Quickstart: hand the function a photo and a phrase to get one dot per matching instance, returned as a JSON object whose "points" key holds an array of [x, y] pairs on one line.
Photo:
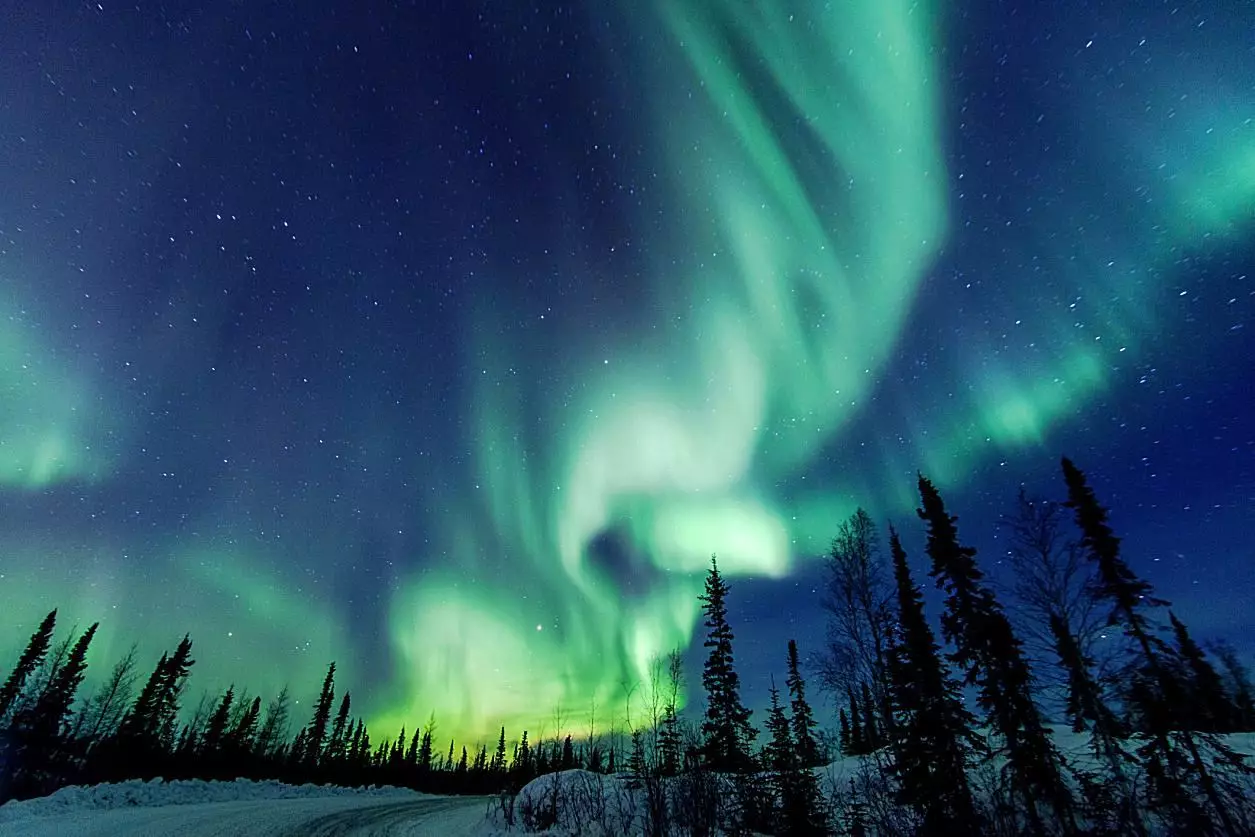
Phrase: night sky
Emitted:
{"points": [[448, 340]]}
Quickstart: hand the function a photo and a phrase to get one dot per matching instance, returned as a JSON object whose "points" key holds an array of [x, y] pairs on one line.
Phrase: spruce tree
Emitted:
{"points": [[141, 721], [933, 731], [240, 739], [216, 729], [424, 752], [1238, 684], [338, 743], [844, 739], [296, 755], [1110, 800], [523, 767], [354, 747], [173, 681], [780, 755], [146, 734], [871, 731], [104, 711], [637, 766], [316, 735], [396, 753], [992, 657], [274, 730], [669, 742], [39, 729], [36, 650], [726, 731], [858, 738], [498, 757], [803, 720], [1211, 707], [1192, 777], [411, 755]]}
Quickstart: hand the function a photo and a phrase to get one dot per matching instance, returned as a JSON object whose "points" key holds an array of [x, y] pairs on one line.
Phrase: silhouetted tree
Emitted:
{"points": [[34, 654], [803, 719], [1206, 701], [1110, 799], [1192, 777], [523, 767], [1048, 575], [146, 736], [216, 729], [933, 732], [1237, 683], [858, 600], [37, 753], [274, 731], [858, 737], [636, 759], [872, 739], [337, 744], [316, 732], [423, 762], [844, 739], [669, 735], [988, 651], [498, 758], [240, 739], [106, 706], [727, 731]]}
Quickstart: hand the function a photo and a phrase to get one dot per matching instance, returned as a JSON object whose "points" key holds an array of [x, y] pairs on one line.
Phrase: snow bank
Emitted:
{"points": [[158, 793]]}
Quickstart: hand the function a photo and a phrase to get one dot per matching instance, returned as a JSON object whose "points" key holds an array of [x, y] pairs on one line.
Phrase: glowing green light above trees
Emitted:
{"points": [[810, 314], [809, 174]]}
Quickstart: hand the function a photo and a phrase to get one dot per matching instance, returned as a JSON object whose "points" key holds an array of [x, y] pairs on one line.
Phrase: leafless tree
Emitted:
{"points": [[860, 615], [103, 710], [274, 731], [1045, 573]]}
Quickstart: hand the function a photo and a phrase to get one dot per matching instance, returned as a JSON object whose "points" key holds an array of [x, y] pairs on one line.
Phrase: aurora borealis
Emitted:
{"points": [[448, 341]]}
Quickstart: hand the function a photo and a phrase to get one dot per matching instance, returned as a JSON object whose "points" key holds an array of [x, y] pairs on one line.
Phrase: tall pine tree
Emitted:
{"points": [[933, 731], [726, 731], [39, 752], [1209, 704], [34, 654], [992, 657], [803, 721], [1191, 776]]}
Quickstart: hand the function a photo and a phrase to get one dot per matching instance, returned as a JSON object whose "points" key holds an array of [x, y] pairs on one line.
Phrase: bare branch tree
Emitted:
{"points": [[1046, 575], [860, 616], [103, 711]]}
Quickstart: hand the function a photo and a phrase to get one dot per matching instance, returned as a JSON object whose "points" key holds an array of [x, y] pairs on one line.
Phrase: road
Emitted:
{"points": [[434, 816]]}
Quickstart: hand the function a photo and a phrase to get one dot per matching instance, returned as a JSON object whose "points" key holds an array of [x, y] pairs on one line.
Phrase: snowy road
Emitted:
{"points": [[363, 817]]}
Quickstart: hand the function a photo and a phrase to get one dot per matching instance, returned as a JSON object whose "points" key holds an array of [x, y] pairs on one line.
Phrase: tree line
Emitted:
{"points": [[949, 732]]}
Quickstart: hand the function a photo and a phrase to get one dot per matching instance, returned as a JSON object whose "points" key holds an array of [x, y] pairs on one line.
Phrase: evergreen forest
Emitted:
{"points": [[1054, 692]]}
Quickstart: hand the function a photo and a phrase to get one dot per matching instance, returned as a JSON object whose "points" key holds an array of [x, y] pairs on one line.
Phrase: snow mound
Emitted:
{"points": [[137, 793]]}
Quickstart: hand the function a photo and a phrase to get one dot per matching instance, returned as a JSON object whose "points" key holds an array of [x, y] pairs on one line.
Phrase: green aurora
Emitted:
{"points": [[803, 148]]}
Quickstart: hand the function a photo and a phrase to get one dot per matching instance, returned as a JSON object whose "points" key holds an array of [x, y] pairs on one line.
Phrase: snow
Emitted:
{"points": [[156, 793], [587, 804], [216, 809]]}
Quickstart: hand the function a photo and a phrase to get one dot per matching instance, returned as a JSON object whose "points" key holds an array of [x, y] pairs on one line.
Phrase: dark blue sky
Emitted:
{"points": [[448, 340]]}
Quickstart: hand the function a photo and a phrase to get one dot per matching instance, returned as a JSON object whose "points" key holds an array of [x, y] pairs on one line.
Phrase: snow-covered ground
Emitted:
{"points": [[218, 809], [584, 803]]}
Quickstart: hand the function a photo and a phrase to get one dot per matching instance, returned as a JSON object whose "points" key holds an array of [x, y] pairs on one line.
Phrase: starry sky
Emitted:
{"points": [[448, 340]]}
